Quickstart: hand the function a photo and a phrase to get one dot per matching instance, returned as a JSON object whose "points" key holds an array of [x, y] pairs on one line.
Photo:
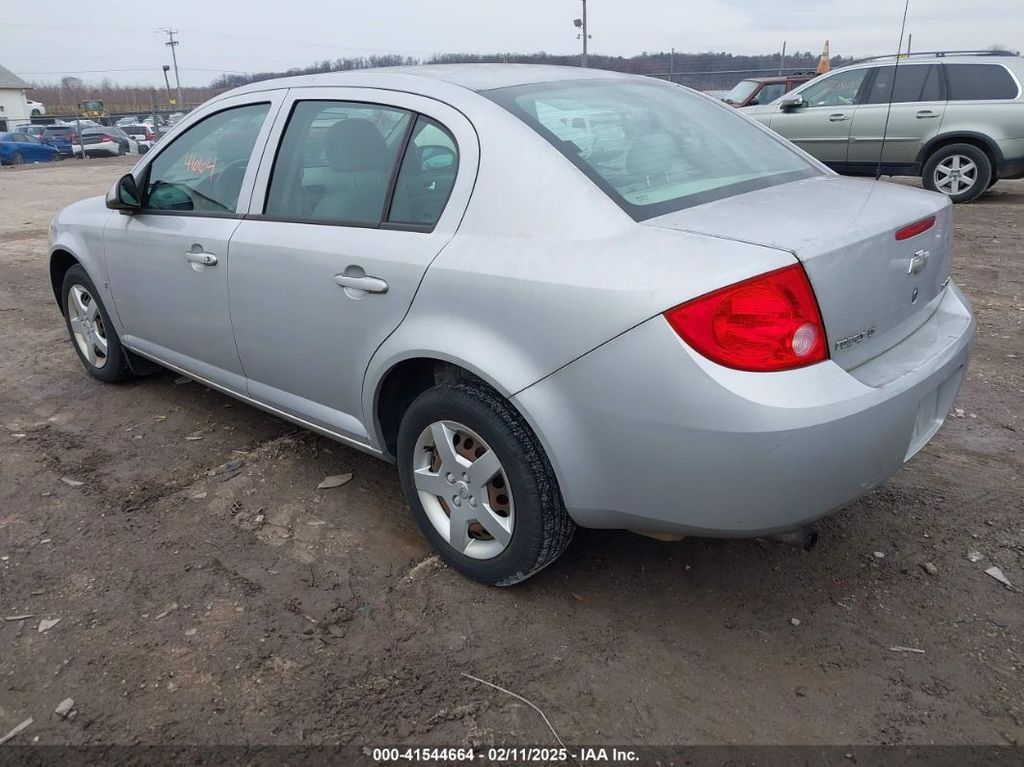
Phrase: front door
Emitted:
{"points": [[168, 263], [366, 188], [821, 126]]}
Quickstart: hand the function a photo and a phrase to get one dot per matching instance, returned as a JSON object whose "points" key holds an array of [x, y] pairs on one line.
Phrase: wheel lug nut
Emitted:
{"points": [[465, 477], [450, 478], [456, 500]]}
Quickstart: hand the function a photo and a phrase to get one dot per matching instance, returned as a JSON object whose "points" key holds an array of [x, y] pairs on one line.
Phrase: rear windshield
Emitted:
{"points": [[651, 146]]}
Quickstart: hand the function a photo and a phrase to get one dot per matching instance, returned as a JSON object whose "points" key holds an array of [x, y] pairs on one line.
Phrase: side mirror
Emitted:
{"points": [[124, 195], [790, 103]]}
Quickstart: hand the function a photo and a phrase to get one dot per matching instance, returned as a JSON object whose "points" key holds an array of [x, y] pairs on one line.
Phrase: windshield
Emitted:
{"points": [[740, 92], [653, 147]]}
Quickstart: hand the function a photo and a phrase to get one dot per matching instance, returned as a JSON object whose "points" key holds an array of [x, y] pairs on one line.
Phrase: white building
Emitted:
{"points": [[13, 104]]}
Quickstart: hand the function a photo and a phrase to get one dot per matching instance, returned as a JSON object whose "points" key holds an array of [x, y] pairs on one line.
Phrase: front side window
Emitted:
{"points": [[203, 170], [651, 146], [914, 82], [336, 161], [980, 82], [836, 90]]}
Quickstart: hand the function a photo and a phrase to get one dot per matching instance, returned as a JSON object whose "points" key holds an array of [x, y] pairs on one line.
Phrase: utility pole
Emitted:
{"points": [[782, 58], [585, 35], [172, 44], [672, 67]]}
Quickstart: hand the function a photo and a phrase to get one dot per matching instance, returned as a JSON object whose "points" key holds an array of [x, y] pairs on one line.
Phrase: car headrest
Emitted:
{"points": [[650, 155], [355, 145]]}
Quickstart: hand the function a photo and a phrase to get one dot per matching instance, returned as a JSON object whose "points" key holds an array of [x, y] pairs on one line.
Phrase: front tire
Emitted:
{"points": [[90, 329], [17, 159], [962, 172], [480, 485]]}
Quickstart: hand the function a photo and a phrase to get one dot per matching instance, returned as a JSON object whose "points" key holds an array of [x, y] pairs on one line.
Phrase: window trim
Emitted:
{"points": [[143, 180], [383, 224]]}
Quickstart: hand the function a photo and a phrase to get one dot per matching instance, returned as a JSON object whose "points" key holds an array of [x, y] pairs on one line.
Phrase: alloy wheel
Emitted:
{"points": [[87, 325], [955, 174], [464, 490]]}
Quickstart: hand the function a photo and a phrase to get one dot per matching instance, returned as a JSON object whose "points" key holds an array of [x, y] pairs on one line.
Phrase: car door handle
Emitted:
{"points": [[838, 117], [361, 282], [202, 258], [925, 114]]}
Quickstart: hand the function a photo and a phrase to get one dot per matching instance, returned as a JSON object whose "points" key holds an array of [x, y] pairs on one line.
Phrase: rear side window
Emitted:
{"points": [[203, 169], [914, 82], [336, 162], [427, 175], [653, 147], [980, 82]]}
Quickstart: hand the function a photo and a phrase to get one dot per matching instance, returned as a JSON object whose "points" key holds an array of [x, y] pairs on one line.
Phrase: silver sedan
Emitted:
{"points": [[555, 297]]}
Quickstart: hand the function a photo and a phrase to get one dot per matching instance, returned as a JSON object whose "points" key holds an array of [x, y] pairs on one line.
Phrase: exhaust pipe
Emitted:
{"points": [[803, 537]]}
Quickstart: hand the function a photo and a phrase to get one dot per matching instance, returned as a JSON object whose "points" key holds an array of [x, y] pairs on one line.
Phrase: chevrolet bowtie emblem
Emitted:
{"points": [[918, 262]]}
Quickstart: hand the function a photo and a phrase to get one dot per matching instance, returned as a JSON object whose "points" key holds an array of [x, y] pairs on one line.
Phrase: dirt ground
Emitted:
{"points": [[254, 608]]}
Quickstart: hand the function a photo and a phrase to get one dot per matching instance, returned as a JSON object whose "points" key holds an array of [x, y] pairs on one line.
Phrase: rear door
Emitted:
{"points": [[822, 125], [168, 263], [363, 190], [918, 106]]}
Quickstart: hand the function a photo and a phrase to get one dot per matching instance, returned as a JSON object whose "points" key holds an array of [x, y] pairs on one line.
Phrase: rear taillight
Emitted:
{"points": [[150, 137], [106, 140], [767, 323], [918, 227]]}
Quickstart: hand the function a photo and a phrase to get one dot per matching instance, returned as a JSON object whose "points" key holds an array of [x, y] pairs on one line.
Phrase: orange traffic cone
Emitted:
{"points": [[825, 62]]}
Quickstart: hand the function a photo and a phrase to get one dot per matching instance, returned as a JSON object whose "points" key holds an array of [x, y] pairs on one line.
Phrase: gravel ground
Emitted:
{"points": [[255, 608]]}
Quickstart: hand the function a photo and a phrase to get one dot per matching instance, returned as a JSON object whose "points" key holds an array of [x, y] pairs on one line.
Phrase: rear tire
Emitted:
{"points": [[962, 172], [17, 159], [540, 526], [90, 329]]}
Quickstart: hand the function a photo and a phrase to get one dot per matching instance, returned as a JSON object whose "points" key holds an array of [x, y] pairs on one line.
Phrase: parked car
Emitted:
{"points": [[63, 138], [143, 136], [18, 148], [705, 332], [103, 142], [35, 108], [957, 120], [36, 131], [764, 90], [131, 146]]}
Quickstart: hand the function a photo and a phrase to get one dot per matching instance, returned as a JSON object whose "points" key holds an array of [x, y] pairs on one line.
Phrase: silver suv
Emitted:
{"points": [[957, 119]]}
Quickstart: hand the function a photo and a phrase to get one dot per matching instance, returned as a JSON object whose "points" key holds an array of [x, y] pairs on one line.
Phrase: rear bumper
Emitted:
{"points": [[646, 434]]}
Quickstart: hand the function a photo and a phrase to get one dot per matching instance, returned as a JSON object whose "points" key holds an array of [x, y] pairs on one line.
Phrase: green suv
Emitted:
{"points": [[957, 119]]}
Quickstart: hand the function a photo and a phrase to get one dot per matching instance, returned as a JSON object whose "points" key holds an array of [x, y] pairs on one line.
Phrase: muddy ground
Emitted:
{"points": [[258, 609]]}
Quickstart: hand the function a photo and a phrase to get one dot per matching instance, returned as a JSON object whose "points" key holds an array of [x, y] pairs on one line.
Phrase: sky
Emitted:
{"points": [[42, 42]]}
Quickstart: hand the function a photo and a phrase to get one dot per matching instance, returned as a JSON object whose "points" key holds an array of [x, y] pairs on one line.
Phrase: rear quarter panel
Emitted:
{"points": [[545, 267]]}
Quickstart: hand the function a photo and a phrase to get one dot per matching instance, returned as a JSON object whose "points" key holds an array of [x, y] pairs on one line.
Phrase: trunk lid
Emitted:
{"points": [[873, 290]]}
